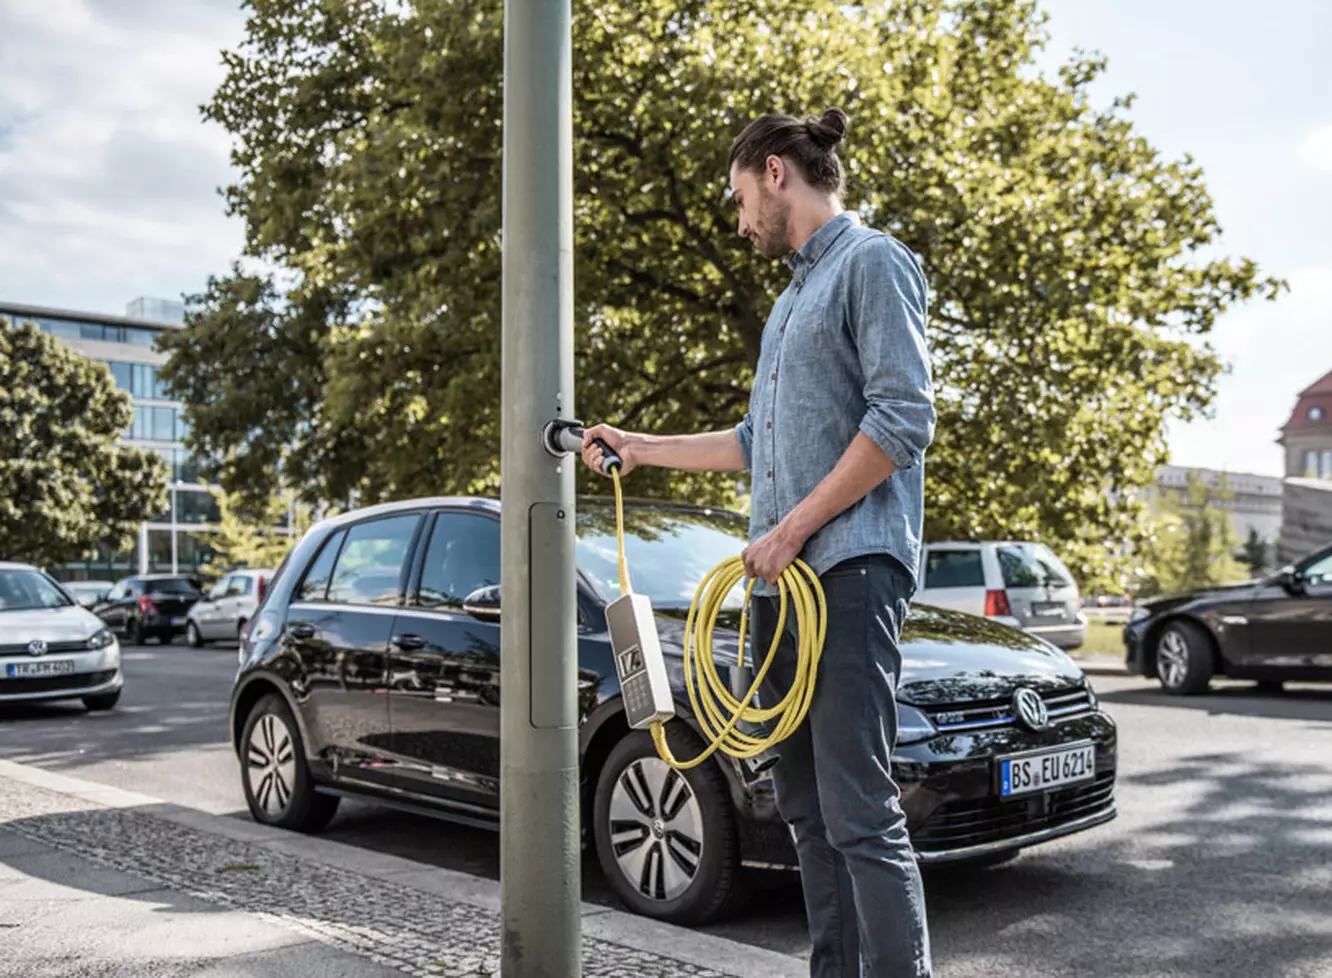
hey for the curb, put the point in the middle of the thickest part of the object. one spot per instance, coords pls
(613, 926)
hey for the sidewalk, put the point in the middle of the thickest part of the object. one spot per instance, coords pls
(97, 881)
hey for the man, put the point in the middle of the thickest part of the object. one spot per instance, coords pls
(839, 419)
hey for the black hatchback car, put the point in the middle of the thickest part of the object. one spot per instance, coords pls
(372, 669)
(1272, 630)
(149, 606)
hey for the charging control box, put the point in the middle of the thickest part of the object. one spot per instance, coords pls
(644, 684)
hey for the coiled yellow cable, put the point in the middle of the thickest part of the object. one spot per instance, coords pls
(718, 712)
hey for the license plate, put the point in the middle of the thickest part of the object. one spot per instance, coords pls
(1048, 610)
(32, 670)
(1044, 769)
(178, 620)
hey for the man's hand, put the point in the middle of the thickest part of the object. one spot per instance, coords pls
(773, 552)
(621, 441)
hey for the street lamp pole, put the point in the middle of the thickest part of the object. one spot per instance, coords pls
(540, 834)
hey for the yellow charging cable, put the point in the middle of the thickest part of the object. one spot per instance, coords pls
(718, 712)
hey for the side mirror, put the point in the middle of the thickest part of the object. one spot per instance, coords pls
(1289, 579)
(483, 603)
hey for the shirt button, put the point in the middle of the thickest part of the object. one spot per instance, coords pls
(769, 424)
(774, 375)
(769, 473)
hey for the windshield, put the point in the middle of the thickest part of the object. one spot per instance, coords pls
(1032, 565)
(669, 551)
(171, 585)
(25, 590)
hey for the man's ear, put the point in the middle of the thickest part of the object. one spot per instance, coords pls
(775, 172)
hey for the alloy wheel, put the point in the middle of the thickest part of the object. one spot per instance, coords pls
(271, 764)
(1172, 659)
(656, 828)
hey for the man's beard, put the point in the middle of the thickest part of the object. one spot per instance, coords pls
(771, 235)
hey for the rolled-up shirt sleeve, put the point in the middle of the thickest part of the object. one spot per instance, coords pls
(888, 301)
(744, 434)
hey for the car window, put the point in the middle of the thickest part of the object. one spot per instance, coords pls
(954, 568)
(219, 590)
(463, 555)
(369, 569)
(315, 585)
(1319, 573)
(137, 589)
(240, 585)
(118, 591)
(27, 590)
(1031, 565)
(173, 585)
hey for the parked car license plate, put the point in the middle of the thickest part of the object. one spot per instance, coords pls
(31, 670)
(1055, 610)
(1044, 769)
(178, 620)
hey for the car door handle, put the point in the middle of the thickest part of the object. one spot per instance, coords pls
(301, 631)
(408, 643)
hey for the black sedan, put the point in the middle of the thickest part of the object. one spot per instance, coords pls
(149, 606)
(1271, 630)
(373, 670)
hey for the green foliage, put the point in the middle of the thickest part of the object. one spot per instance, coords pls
(1071, 298)
(67, 483)
(1192, 544)
(249, 537)
(1254, 553)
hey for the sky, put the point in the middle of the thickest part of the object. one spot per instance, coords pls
(108, 176)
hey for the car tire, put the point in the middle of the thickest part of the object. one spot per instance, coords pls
(134, 632)
(193, 637)
(101, 702)
(1184, 659)
(240, 629)
(667, 840)
(279, 788)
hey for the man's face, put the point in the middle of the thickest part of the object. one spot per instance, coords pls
(764, 213)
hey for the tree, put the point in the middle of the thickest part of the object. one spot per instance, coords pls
(1192, 545)
(67, 482)
(1254, 553)
(1071, 301)
(254, 537)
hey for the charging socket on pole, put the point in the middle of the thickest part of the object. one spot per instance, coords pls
(644, 684)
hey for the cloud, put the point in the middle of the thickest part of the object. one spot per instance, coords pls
(108, 175)
(1316, 149)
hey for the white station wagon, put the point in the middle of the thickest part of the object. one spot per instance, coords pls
(50, 647)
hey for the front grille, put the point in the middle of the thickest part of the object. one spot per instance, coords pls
(1068, 703)
(55, 684)
(959, 824)
(22, 648)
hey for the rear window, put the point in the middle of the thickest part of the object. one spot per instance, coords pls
(954, 568)
(171, 585)
(1032, 565)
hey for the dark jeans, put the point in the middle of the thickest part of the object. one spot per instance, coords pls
(863, 892)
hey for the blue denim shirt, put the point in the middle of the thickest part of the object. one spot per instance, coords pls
(843, 351)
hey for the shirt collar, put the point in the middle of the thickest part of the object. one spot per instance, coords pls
(819, 242)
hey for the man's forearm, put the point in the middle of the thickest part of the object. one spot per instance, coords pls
(713, 451)
(862, 467)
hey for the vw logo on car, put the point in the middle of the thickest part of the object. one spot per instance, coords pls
(37, 646)
(1030, 709)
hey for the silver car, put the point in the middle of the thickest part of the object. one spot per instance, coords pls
(224, 611)
(1017, 582)
(50, 648)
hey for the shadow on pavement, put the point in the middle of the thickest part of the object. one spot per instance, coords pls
(1237, 699)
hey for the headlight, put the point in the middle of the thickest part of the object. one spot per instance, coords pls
(1138, 614)
(1091, 693)
(101, 639)
(913, 726)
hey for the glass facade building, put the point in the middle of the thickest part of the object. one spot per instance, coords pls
(175, 541)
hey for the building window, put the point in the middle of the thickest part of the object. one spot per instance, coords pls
(1315, 413)
(1311, 465)
(196, 506)
(123, 375)
(1327, 465)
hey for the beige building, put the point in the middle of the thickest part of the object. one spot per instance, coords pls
(1253, 501)
(1306, 523)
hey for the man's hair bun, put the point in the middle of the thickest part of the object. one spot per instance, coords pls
(828, 129)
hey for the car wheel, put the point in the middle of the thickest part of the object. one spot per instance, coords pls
(134, 633)
(1184, 659)
(193, 637)
(102, 701)
(667, 840)
(279, 788)
(240, 630)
